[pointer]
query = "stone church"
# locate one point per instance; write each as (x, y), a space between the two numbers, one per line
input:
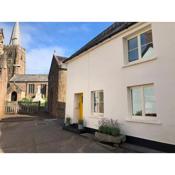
(15, 85)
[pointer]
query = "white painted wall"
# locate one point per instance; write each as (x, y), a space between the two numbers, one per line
(102, 68)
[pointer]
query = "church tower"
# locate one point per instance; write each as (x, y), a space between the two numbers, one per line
(15, 54)
(15, 36)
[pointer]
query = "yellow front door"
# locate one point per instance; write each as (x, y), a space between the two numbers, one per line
(81, 107)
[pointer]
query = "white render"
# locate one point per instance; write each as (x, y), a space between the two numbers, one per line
(104, 68)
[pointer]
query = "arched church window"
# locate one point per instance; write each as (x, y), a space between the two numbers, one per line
(14, 96)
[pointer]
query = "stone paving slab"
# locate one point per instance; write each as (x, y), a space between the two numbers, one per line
(47, 136)
(44, 136)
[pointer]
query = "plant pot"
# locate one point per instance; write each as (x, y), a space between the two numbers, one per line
(110, 139)
(80, 126)
(67, 124)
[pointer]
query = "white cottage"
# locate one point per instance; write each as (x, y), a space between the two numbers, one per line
(127, 73)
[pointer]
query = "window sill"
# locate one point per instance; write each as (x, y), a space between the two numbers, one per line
(146, 120)
(97, 115)
(141, 60)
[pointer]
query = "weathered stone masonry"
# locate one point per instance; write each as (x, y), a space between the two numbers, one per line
(57, 87)
(3, 75)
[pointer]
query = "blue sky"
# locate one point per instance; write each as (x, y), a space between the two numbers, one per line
(41, 39)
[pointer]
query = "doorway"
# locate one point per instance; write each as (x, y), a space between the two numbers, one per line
(78, 106)
(14, 96)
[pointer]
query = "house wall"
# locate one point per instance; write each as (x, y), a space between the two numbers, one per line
(103, 68)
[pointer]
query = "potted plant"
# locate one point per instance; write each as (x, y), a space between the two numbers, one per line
(80, 124)
(68, 121)
(109, 132)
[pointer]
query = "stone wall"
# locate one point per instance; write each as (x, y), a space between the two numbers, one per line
(3, 84)
(3, 76)
(62, 92)
(16, 59)
(22, 89)
(57, 89)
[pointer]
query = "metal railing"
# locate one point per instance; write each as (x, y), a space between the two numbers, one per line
(11, 107)
(22, 107)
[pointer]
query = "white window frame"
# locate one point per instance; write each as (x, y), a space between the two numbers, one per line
(92, 103)
(140, 58)
(143, 116)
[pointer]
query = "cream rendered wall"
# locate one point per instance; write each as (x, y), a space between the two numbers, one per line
(103, 68)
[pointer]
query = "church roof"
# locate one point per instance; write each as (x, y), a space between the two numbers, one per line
(29, 78)
(109, 32)
(59, 58)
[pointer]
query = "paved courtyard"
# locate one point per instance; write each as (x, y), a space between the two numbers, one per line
(46, 136)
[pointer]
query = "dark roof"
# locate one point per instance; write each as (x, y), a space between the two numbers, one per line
(109, 32)
(59, 58)
(29, 78)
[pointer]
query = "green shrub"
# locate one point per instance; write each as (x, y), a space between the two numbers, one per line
(68, 120)
(26, 100)
(115, 131)
(109, 127)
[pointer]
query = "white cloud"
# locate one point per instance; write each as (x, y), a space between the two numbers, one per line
(38, 60)
(26, 34)
(7, 29)
(75, 28)
(25, 31)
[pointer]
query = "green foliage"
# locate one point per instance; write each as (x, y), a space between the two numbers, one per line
(26, 100)
(109, 127)
(68, 120)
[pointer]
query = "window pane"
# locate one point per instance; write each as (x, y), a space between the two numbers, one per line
(43, 89)
(150, 109)
(146, 37)
(132, 43)
(101, 106)
(98, 104)
(136, 101)
(101, 96)
(147, 50)
(31, 88)
(133, 55)
(94, 102)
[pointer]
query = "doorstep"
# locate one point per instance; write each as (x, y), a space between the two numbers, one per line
(74, 128)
